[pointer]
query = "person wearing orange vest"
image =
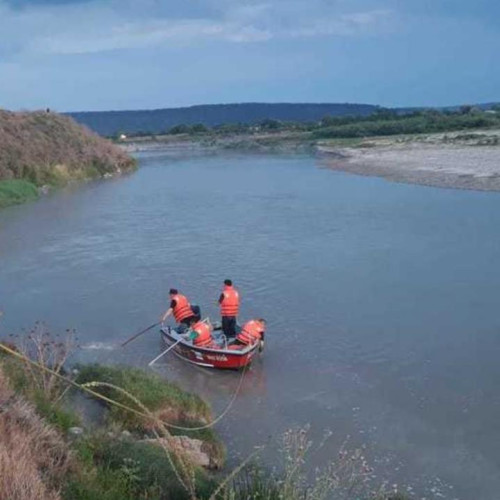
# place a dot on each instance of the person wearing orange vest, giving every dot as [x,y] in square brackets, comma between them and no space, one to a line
[251,332]
[229,302]
[201,334]
[180,308]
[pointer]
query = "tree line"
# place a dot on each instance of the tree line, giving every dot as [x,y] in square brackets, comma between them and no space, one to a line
[380,123]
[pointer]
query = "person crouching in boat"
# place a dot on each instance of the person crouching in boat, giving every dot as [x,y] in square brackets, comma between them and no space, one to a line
[180,308]
[229,302]
[201,334]
[252,332]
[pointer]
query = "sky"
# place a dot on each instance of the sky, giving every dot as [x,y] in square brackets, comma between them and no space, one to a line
[79,55]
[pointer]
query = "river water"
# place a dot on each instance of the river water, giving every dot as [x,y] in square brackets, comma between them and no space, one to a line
[382,301]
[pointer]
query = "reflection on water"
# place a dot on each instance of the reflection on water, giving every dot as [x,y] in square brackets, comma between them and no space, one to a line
[381,301]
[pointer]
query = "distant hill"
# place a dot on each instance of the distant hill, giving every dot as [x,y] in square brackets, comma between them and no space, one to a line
[49,148]
[160,120]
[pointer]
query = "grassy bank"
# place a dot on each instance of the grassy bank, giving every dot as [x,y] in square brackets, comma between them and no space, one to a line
[121,460]
[16,191]
[48,452]
[48,149]
[165,400]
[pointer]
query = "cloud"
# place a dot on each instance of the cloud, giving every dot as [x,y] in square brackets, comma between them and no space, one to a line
[20,4]
[75,27]
[148,33]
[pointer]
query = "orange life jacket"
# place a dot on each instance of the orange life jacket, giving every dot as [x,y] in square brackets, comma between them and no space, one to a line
[182,309]
[251,332]
[230,304]
[204,338]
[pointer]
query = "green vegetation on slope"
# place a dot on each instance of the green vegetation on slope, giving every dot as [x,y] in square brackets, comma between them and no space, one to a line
[155,121]
[124,469]
[383,122]
[420,122]
[45,459]
[164,398]
[16,191]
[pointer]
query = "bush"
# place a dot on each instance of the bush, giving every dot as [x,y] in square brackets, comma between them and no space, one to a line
[102,484]
[381,124]
[122,470]
[179,129]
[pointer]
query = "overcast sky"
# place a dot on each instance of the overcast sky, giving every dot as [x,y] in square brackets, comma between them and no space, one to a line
[130,54]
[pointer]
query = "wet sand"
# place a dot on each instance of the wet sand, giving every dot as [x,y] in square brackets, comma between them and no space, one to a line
[448,166]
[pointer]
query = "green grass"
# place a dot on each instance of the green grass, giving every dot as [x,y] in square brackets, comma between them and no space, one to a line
[163,398]
[126,470]
[56,414]
[170,403]
[15,191]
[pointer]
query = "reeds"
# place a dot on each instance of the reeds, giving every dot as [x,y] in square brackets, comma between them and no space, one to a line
[33,456]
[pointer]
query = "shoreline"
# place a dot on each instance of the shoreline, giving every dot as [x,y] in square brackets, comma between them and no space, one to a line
[444,166]
[454,160]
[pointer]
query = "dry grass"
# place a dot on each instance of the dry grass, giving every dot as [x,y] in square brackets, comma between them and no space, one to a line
[33,457]
[47,148]
[345,477]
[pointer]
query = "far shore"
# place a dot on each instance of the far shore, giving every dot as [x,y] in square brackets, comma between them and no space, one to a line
[454,166]
[459,160]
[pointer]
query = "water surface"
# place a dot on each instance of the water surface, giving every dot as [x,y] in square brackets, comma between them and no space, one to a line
[382,301]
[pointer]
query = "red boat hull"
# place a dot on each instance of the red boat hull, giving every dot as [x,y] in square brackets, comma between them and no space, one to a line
[225,359]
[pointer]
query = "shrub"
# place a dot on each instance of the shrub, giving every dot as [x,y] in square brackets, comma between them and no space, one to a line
[117,470]
[381,124]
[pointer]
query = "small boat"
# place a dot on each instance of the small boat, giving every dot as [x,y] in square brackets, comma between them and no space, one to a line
[224,356]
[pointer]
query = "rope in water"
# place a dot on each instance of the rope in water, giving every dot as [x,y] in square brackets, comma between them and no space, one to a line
[86,388]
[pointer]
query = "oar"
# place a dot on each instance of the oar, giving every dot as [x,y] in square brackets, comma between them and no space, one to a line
[138,334]
[163,353]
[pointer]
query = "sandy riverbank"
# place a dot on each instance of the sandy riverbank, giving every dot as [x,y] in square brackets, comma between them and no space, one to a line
[440,165]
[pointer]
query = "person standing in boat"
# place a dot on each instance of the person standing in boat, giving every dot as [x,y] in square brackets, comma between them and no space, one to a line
[180,308]
[229,302]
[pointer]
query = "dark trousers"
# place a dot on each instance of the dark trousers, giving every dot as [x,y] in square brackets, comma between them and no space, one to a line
[185,324]
[229,326]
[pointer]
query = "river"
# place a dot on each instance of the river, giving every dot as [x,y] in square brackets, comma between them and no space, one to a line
[382,301]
